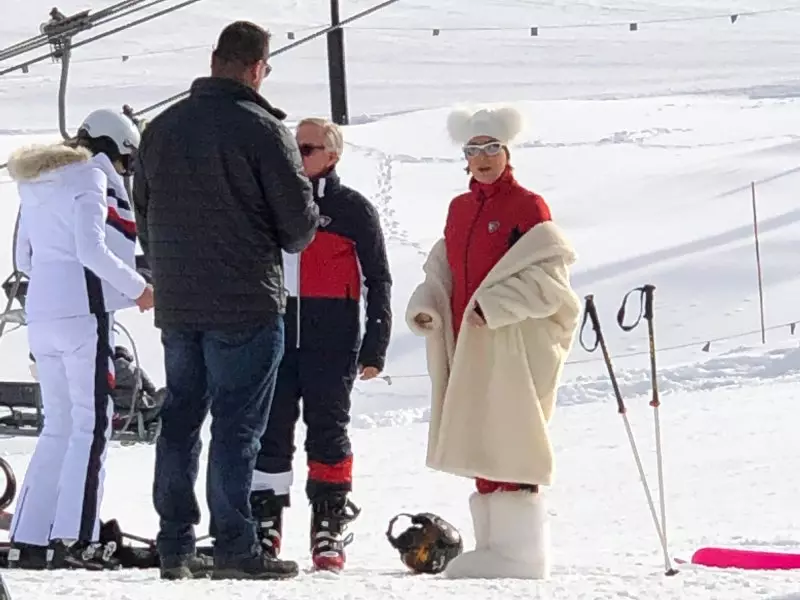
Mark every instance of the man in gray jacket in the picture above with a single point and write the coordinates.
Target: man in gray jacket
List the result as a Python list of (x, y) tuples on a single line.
[(219, 191)]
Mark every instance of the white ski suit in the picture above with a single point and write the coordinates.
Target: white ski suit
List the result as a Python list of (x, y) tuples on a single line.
[(76, 242)]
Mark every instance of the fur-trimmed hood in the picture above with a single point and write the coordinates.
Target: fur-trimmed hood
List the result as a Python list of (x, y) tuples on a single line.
[(32, 162)]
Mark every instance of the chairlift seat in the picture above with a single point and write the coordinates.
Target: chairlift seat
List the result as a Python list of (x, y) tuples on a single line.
[(23, 401), (21, 415), (20, 394), (20, 293)]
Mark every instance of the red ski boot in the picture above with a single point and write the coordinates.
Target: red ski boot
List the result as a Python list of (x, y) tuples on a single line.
[(331, 515)]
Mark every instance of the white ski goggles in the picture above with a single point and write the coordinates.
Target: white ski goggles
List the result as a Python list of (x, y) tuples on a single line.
[(489, 148)]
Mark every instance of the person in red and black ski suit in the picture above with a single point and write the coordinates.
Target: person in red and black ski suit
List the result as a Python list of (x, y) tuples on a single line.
[(324, 353)]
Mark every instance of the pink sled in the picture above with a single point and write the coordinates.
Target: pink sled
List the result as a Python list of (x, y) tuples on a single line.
[(732, 558)]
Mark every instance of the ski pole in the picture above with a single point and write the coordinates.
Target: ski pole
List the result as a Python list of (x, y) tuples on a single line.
[(646, 311), (590, 314)]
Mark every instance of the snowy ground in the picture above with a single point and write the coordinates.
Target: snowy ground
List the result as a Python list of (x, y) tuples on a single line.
[(645, 145), (730, 474)]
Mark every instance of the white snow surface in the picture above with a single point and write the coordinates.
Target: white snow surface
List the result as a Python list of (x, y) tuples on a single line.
[(645, 145)]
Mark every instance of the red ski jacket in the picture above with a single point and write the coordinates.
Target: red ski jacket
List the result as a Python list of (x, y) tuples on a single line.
[(482, 225), (325, 281)]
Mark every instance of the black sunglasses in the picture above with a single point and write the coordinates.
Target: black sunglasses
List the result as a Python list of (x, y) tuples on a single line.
[(309, 149)]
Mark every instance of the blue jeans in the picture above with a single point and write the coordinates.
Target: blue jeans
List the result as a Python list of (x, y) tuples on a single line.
[(233, 375)]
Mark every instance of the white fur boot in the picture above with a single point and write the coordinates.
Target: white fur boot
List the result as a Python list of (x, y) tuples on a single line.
[(466, 563), (518, 540)]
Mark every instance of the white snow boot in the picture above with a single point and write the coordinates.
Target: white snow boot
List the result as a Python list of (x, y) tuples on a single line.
[(466, 563), (512, 538)]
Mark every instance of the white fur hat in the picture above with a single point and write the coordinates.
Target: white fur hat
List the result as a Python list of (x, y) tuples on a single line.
[(501, 123)]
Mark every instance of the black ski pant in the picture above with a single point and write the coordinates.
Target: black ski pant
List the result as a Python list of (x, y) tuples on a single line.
[(323, 380)]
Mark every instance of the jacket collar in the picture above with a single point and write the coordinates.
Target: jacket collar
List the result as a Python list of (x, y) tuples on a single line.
[(503, 184), (31, 162), (222, 86), (326, 183)]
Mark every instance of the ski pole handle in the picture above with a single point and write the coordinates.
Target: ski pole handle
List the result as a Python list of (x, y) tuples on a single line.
[(645, 307), (590, 314), (648, 290)]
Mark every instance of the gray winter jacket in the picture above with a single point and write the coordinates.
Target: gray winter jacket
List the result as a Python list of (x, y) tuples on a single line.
[(219, 191)]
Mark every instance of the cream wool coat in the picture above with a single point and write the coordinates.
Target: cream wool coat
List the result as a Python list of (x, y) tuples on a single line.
[(493, 393)]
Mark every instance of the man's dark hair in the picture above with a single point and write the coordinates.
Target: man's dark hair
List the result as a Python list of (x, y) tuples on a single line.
[(242, 43)]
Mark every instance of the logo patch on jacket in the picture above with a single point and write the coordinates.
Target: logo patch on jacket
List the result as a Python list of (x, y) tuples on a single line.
[(494, 226), (324, 221)]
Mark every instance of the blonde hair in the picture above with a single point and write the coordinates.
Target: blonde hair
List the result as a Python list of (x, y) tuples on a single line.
[(334, 141)]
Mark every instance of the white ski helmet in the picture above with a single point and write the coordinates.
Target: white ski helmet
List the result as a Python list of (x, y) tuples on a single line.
[(116, 126)]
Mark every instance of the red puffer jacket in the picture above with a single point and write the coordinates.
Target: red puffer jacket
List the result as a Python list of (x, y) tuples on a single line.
[(482, 225)]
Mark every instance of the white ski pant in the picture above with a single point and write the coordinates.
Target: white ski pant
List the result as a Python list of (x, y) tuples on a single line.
[(61, 495)]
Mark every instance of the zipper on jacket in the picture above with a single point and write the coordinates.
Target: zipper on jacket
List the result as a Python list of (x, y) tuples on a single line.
[(320, 192), (482, 199), (297, 317)]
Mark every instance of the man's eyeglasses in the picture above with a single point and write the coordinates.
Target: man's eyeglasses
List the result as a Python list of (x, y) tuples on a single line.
[(489, 148), (309, 149)]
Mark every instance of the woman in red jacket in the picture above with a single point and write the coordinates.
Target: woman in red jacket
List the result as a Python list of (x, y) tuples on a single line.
[(494, 387), (483, 223)]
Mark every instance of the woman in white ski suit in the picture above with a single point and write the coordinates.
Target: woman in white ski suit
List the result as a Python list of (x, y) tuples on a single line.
[(76, 241)]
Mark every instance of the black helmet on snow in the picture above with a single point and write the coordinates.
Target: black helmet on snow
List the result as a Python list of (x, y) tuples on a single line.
[(428, 545)]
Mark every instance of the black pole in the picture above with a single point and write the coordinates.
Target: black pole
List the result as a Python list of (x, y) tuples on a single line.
[(66, 55), (336, 69), (281, 50)]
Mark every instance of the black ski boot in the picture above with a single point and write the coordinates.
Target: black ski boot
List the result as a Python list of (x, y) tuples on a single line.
[(267, 511), (27, 556), (192, 566), (331, 514), (70, 554), (259, 566), (129, 557)]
